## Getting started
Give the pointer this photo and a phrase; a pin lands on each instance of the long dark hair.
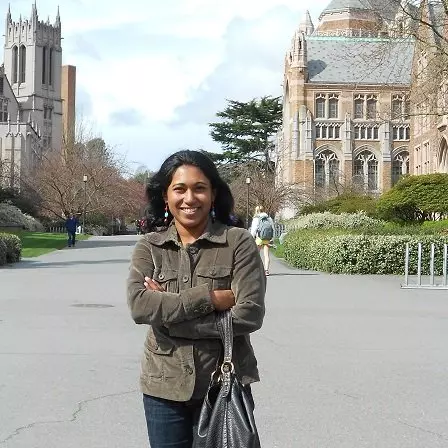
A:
(159, 183)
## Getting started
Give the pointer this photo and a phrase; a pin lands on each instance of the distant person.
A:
(138, 226)
(71, 224)
(262, 230)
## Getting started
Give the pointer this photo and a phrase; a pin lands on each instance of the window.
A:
(320, 106)
(50, 73)
(328, 131)
(44, 65)
(47, 113)
(333, 107)
(3, 110)
(22, 77)
(366, 132)
(400, 107)
(15, 62)
(418, 160)
(359, 108)
(365, 171)
(327, 105)
(426, 158)
(365, 107)
(401, 132)
(400, 166)
(326, 169)
(371, 108)
(2, 86)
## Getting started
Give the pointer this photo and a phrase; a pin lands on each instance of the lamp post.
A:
(247, 205)
(84, 179)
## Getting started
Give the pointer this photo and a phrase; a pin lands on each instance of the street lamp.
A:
(247, 208)
(84, 179)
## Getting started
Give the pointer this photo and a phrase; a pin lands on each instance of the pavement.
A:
(345, 361)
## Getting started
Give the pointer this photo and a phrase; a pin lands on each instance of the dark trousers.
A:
(173, 424)
(71, 238)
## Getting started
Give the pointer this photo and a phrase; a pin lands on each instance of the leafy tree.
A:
(245, 131)
(416, 198)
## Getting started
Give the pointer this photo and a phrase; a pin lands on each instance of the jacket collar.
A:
(214, 232)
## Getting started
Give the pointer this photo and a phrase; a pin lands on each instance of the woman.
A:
(262, 229)
(193, 265)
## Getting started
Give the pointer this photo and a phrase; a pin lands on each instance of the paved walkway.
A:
(345, 361)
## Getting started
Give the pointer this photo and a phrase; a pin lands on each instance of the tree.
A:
(416, 198)
(142, 175)
(58, 179)
(246, 130)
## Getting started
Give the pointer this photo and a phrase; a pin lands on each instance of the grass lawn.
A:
(35, 243)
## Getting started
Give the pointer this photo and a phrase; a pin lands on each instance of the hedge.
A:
(327, 220)
(10, 248)
(341, 253)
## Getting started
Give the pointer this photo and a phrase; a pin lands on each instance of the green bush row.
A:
(337, 252)
(10, 248)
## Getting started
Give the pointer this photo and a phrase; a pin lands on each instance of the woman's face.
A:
(190, 197)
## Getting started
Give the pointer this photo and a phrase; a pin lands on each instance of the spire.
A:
(298, 53)
(58, 19)
(8, 16)
(34, 13)
(306, 25)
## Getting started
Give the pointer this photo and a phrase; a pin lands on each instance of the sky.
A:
(152, 74)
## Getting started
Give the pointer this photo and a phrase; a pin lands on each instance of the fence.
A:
(418, 281)
(278, 229)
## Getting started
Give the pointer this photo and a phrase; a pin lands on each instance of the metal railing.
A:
(432, 281)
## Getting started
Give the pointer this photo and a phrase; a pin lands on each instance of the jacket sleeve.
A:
(161, 308)
(249, 287)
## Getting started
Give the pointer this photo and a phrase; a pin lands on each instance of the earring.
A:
(213, 213)
(166, 214)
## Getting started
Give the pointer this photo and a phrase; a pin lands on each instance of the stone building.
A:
(30, 94)
(429, 94)
(346, 101)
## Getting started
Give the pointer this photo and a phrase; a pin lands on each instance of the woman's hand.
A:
(153, 285)
(222, 299)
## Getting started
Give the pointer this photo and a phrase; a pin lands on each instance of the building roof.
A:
(346, 60)
(384, 8)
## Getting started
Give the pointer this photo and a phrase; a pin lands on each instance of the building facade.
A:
(30, 94)
(346, 102)
(429, 94)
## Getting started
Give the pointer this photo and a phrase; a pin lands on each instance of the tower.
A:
(33, 61)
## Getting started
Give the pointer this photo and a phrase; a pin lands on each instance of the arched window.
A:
(15, 64)
(442, 159)
(44, 65)
(400, 166)
(50, 65)
(22, 77)
(326, 169)
(365, 170)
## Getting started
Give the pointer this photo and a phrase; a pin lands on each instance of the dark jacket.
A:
(71, 225)
(182, 347)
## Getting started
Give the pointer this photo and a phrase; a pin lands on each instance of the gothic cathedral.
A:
(30, 94)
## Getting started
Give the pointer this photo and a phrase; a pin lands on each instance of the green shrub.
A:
(3, 251)
(436, 226)
(345, 203)
(11, 247)
(341, 253)
(327, 220)
(415, 198)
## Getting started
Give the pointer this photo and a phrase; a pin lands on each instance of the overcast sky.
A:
(152, 73)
